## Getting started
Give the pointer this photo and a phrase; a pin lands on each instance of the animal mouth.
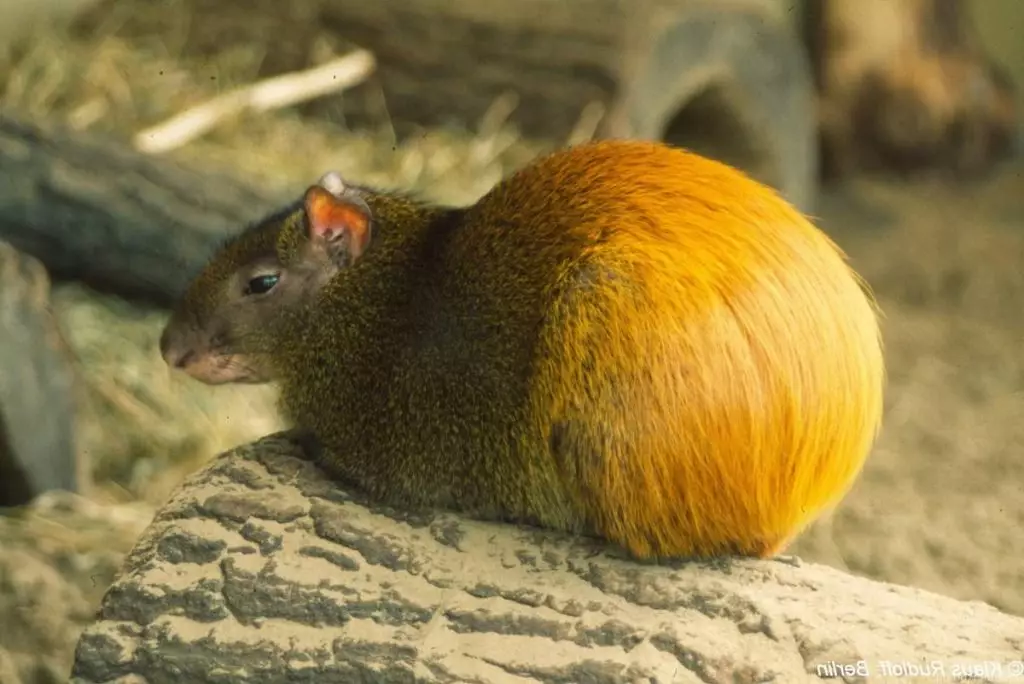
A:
(222, 368)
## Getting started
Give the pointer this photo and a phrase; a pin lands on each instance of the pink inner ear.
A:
(331, 217)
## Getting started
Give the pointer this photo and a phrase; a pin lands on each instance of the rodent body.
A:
(622, 339)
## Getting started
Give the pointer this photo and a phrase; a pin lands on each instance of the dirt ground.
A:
(940, 504)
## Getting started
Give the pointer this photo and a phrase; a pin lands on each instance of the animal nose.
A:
(175, 355)
(180, 360)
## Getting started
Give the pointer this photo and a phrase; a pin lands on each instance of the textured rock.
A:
(259, 570)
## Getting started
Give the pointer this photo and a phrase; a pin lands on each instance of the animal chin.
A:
(222, 369)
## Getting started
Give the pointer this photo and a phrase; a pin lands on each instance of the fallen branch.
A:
(92, 209)
(274, 93)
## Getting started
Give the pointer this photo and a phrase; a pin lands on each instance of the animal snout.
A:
(176, 352)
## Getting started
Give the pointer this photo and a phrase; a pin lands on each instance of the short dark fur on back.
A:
(420, 324)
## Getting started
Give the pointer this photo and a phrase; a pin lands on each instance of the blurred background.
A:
(135, 135)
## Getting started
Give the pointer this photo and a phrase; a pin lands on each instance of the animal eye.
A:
(262, 284)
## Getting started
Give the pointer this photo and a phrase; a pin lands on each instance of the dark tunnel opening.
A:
(708, 124)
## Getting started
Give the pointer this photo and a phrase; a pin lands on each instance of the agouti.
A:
(622, 339)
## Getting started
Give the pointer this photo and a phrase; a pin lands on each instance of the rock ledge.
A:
(259, 570)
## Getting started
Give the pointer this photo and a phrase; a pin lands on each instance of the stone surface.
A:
(37, 427)
(259, 570)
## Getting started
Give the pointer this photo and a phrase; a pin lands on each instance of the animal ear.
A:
(333, 182)
(337, 223)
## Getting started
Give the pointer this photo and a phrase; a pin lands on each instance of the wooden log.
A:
(260, 570)
(728, 79)
(94, 210)
(908, 87)
(37, 446)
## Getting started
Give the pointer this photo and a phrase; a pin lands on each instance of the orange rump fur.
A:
(711, 374)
